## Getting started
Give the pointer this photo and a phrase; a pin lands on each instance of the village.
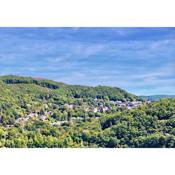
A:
(98, 108)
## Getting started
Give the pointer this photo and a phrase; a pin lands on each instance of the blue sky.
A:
(139, 60)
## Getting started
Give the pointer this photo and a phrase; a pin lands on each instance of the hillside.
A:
(20, 96)
(75, 91)
(35, 112)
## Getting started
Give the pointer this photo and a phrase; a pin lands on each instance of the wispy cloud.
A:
(140, 60)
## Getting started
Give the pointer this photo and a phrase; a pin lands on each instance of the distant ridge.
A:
(156, 97)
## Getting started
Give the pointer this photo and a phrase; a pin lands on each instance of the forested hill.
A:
(35, 112)
(11, 79)
(75, 91)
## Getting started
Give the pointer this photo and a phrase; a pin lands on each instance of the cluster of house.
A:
(98, 108)
(119, 104)
(129, 104)
(102, 108)
(41, 117)
(32, 115)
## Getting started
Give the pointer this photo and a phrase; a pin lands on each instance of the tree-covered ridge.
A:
(75, 91)
(33, 113)
(29, 80)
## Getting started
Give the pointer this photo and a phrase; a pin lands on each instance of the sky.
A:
(139, 60)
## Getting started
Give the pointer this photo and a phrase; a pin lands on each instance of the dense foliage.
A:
(42, 113)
